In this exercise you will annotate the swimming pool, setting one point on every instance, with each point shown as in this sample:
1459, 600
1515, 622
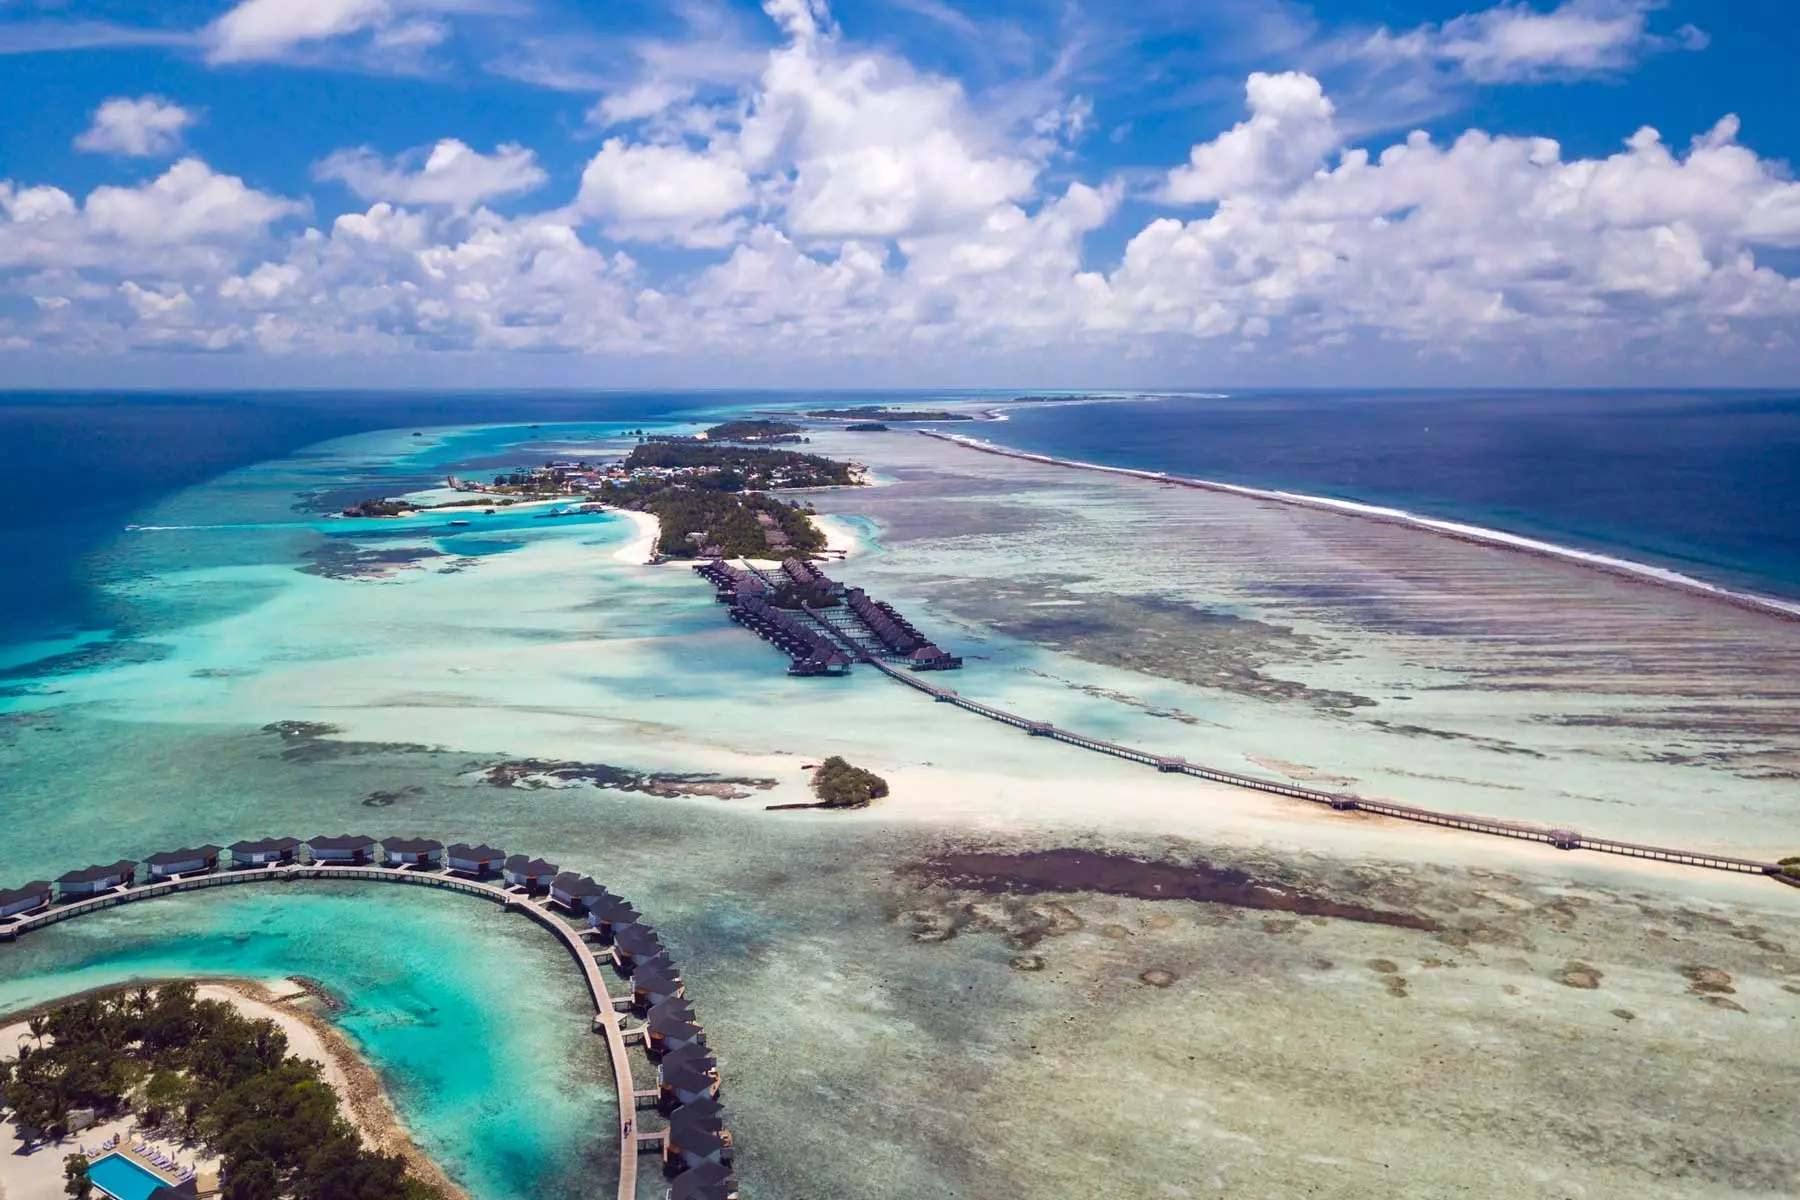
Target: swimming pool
123, 1179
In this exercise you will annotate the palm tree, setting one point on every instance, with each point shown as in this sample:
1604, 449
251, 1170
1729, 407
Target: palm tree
39, 1026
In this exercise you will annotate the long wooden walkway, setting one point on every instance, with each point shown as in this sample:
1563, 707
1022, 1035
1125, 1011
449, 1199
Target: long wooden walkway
1562, 839
606, 1014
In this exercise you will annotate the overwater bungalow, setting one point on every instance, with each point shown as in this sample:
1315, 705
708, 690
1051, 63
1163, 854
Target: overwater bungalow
195, 861
264, 852
697, 1137
92, 881
708, 1181
30, 898
610, 916
348, 849
475, 860
671, 1025
636, 944
532, 874
654, 981
412, 852
685, 1076
575, 892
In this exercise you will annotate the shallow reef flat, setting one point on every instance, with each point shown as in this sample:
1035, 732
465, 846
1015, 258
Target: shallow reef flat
1411, 665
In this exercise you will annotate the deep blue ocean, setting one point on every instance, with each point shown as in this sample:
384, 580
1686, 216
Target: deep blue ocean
1703, 482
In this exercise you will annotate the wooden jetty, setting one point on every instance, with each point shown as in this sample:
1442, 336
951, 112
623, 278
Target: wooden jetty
606, 1021
1561, 839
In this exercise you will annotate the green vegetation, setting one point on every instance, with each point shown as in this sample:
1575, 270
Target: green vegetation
224, 1079
736, 468
380, 508
837, 784
1790, 866
866, 427
755, 431
877, 412
700, 521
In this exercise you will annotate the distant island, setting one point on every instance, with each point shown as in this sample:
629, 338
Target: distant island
877, 412
866, 427
756, 431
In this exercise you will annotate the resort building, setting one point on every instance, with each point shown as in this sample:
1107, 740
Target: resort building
171, 863
654, 981
671, 1025
636, 945
475, 860
611, 916
685, 1076
92, 881
264, 852
532, 874
697, 1137
29, 898
708, 1181
349, 849
575, 892
412, 852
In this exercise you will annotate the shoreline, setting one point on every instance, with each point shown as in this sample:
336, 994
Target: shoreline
1622, 568
640, 551
362, 1098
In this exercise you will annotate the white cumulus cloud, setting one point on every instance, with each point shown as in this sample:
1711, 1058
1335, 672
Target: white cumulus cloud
148, 127
655, 193
450, 174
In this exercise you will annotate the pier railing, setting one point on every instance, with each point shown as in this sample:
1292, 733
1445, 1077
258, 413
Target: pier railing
606, 1007
1561, 839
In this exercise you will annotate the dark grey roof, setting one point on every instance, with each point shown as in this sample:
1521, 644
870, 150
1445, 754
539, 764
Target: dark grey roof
343, 841
95, 873
639, 941
684, 1076
706, 1110
400, 845
577, 885
481, 853
693, 1055
708, 1181
30, 891
654, 975
187, 854
265, 845
524, 864
615, 908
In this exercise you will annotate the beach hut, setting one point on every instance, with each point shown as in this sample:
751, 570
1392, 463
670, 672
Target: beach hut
475, 860
685, 1076
635, 945
195, 861
348, 849
264, 852
412, 852
671, 1025
709, 1181
532, 874
29, 898
697, 1137
654, 981
92, 881
575, 892
611, 915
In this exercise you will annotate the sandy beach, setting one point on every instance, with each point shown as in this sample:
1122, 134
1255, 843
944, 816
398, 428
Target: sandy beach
287, 1004
641, 549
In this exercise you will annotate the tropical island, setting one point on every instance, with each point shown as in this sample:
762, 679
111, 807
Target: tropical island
709, 501
756, 431
879, 412
200, 1073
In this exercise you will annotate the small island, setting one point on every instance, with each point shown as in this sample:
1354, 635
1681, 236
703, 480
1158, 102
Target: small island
261, 1122
866, 427
837, 784
756, 431
877, 412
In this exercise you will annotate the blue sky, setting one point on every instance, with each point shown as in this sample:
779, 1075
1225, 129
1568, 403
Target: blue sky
897, 192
